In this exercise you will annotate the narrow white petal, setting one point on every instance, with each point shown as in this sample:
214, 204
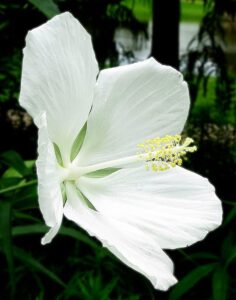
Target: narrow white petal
49, 192
51, 234
58, 76
131, 245
133, 103
175, 207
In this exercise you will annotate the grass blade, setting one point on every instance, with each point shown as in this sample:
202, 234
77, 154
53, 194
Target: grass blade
190, 280
5, 233
31, 262
41, 229
48, 7
220, 283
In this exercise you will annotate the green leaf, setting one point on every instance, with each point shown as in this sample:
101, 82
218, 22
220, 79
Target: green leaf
28, 229
78, 235
186, 283
228, 246
9, 181
230, 216
12, 173
92, 287
205, 255
6, 235
27, 259
78, 142
199, 256
220, 282
109, 288
14, 160
30, 163
231, 203
42, 229
232, 257
18, 186
24, 216
48, 7
228, 249
26, 198
102, 173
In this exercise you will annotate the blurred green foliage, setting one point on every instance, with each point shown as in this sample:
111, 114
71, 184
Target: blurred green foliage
191, 11
142, 10
75, 266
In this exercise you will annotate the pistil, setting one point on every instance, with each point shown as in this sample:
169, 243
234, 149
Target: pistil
159, 154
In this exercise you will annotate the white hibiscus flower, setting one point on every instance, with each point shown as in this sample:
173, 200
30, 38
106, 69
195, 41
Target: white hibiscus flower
135, 213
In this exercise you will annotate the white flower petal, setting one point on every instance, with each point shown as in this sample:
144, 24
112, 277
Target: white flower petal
175, 207
129, 244
49, 191
58, 76
50, 234
133, 103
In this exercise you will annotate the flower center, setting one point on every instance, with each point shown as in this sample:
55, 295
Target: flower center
159, 154
163, 153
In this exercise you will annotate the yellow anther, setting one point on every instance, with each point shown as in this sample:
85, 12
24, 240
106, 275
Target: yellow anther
166, 152
154, 168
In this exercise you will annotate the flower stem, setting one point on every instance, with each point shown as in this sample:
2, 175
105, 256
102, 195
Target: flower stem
75, 171
18, 186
